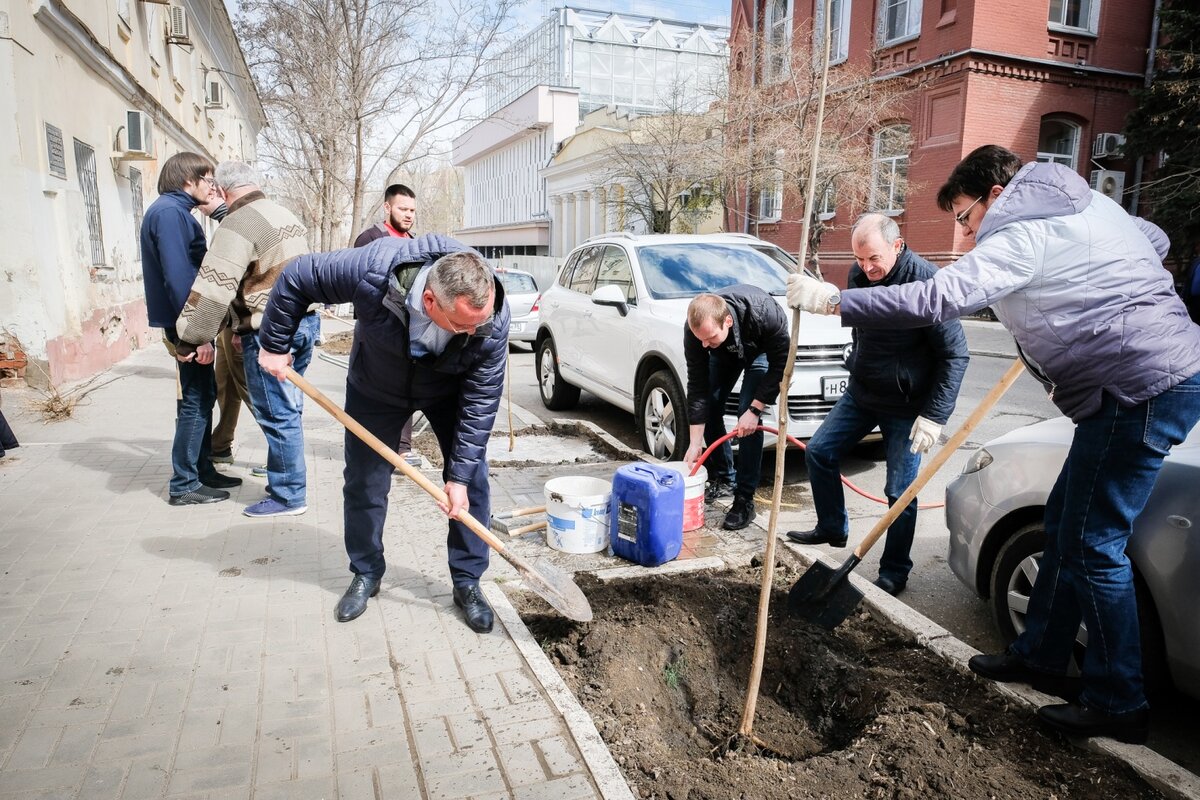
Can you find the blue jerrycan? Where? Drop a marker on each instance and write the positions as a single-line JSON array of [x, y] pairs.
[[646, 520]]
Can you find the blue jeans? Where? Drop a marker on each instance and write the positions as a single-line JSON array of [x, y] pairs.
[[846, 424], [1085, 575], [191, 452], [277, 408], [719, 465], [369, 479]]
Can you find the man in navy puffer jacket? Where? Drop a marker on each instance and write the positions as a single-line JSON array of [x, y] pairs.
[[432, 336]]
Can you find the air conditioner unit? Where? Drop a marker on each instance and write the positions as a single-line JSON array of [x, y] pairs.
[[1109, 182], [215, 96], [139, 132], [1108, 144], [177, 30]]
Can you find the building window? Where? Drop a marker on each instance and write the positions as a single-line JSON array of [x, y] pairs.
[[135, 197], [827, 202], [1079, 15], [85, 168], [899, 20], [839, 31], [1058, 142], [770, 196], [890, 168], [777, 32]]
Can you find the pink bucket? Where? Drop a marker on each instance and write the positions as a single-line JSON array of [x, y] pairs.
[[693, 494]]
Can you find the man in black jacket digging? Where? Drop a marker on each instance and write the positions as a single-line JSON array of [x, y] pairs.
[[737, 331], [905, 381], [432, 335]]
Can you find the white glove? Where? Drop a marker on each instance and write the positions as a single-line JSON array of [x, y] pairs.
[[809, 294], [925, 433]]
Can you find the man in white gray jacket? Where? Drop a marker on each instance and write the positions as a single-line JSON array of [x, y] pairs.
[[1080, 285]]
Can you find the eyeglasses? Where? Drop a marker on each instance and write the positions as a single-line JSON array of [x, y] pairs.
[[455, 329], [961, 217]]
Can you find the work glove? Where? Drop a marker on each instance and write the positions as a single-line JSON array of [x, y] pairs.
[[924, 435], [809, 294]]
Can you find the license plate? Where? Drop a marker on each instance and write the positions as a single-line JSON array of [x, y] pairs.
[[516, 327], [834, 387]]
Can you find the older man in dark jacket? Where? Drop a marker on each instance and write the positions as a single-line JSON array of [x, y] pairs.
[[432, 335], [903, 381], [738, 331]]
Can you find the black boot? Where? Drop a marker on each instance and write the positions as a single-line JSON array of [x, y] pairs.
[[476, 610], [817, 536], [741, 514], [1009, 668], [1075, 719], [354, 601]]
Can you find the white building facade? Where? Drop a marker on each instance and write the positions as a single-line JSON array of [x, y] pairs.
[[81, 168], [575, 62]]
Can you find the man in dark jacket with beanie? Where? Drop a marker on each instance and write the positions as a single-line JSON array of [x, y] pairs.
[[173, 247], [903, 381], [738, 331], [432, 335]]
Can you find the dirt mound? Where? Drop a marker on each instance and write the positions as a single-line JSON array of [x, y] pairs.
[[855, 713]]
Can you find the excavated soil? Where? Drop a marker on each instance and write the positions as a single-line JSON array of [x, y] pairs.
[[854, 713]]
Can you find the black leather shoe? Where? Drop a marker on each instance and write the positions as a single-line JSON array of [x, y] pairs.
[[816, 536], [1075, 719], [1009, 668], [219, 481], [890, 586], [716, 489], [476, 610], [198, 497], [741, 514], [354, 601]]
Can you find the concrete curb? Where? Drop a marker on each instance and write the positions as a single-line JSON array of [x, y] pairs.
[[608, 776]]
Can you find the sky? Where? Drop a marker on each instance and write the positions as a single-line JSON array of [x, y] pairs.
[[710, 12]]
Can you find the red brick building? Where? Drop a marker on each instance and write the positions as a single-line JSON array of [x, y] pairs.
[[1043, 78]]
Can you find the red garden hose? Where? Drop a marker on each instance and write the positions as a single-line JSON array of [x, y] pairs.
[[883, 500]]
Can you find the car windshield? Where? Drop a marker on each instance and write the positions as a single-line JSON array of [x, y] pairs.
[[685, 270], [517, 282]]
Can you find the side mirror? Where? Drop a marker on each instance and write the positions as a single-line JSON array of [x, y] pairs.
[[611, 295]]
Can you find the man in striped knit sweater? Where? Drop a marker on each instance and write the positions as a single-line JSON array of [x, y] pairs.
[[249, 250]]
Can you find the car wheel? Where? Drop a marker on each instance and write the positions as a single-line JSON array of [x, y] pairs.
[[662, 417], [1016, 569], [557, 394]]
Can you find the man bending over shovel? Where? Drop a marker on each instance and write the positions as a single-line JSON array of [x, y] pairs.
[[432, 335], [1080, 285]]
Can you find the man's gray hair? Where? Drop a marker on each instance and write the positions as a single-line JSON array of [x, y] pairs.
[[463, 274], [232, 175], [887, 227]]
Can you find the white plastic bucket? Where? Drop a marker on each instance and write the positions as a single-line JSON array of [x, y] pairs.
[[577, 514], [693, 494]]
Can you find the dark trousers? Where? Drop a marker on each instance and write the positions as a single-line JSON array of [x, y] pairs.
[[368, 478], [721, 378], [191, 453], [8, 439]]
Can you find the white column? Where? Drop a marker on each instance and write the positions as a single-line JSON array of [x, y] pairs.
[[598, 207], [556, 226], [582, 215], [569, 226]]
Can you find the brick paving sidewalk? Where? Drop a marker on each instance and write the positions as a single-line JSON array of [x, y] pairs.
[[152, 651]]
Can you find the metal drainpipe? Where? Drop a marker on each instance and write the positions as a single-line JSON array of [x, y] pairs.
[[753, 83], [1140, 162]]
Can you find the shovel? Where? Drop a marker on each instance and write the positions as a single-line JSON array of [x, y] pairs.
[[825, 596], [550, 583]]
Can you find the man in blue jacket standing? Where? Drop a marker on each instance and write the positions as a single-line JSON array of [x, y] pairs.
[[1080, 285], [173, 247], [432, 335], [904, 381]]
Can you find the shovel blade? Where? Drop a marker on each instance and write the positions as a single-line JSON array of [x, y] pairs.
[[824, 596], [557, 588]]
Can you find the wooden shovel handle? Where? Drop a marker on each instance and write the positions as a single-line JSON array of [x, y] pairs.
[[943, 455], [417, 477]]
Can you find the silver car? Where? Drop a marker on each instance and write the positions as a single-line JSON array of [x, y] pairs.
[[994, 511], [521, 289]]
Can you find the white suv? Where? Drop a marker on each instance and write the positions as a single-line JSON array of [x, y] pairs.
[[613, 324]]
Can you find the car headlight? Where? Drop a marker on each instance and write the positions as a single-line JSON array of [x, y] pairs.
[[977, 462]]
